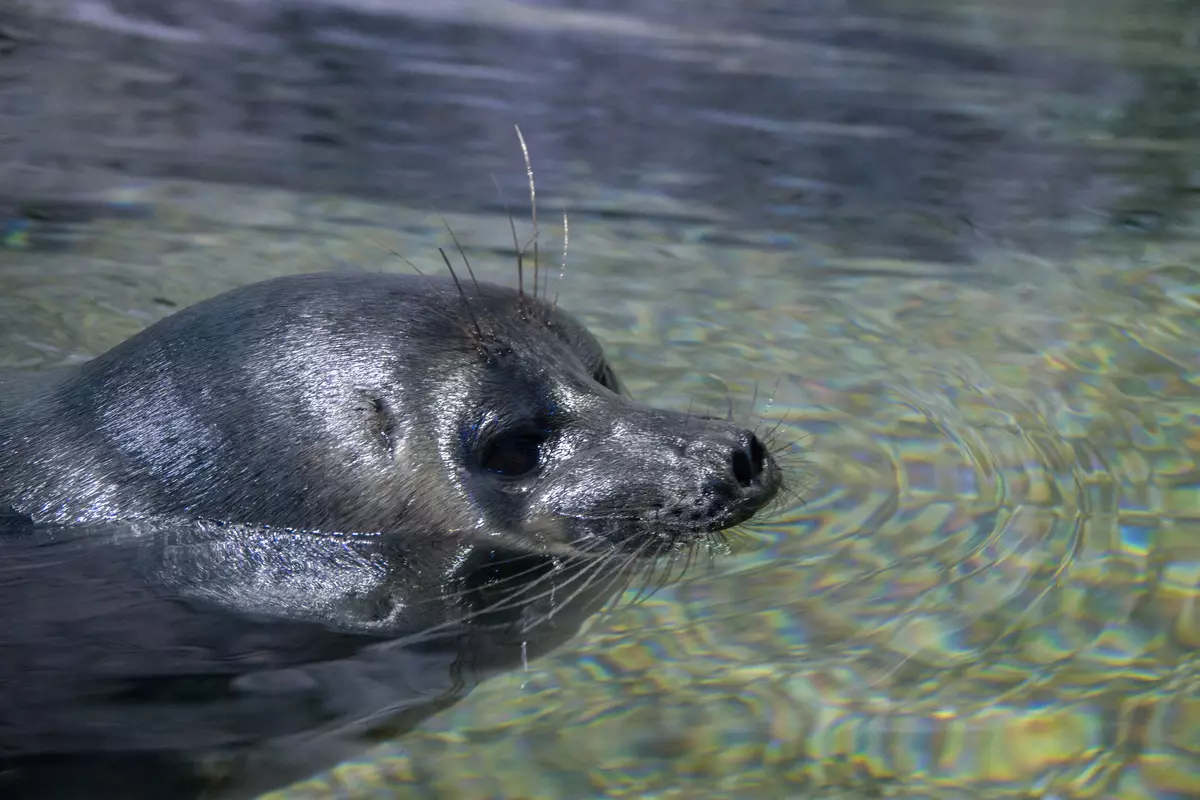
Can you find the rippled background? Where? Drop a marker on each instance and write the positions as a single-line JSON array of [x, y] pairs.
[[959, 239]]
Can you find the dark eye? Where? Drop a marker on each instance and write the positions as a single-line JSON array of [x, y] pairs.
[[514, 455]]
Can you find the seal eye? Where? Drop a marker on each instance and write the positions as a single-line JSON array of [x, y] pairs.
[[514, 455]]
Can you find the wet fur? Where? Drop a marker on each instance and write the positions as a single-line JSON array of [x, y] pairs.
[[264, 527]]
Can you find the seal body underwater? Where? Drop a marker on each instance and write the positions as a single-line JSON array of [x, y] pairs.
[[316, 507]]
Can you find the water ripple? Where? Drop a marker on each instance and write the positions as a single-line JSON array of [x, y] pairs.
[[991, 588]]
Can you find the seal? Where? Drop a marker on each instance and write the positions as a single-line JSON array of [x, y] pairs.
[[313, 510]]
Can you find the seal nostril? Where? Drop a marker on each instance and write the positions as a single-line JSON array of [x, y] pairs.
[[748, 461], [758, 455], [742, 471]]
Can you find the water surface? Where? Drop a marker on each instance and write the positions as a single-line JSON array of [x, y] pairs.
[[954, 243]]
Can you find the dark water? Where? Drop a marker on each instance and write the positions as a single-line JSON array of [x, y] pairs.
[[959, 238], [887, 128]]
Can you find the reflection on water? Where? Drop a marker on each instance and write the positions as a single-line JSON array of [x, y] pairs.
[[961, 238]]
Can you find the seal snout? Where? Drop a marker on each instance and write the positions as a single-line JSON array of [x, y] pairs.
[[751, 482], [735, 478]]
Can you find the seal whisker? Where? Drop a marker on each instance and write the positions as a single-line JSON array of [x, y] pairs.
[[661, 577], [600, 562], [521, 597], [649, 582], [787, 447], [627, 570], [784, 421], [582, 560], [398, 255], [649, 585], [584, 577], [770, 400], [770, 437], [722, 543], [532, 206], [624, 574], [524, 593], [789, 454], [520, 251], [773, 434], [469, 326], [524, 596], [563, 271], [687, 557], [462, 293], [512, 578], [690, 554], [461, 251], [625, 564], [789, 495], [429, 280], [525, 589]]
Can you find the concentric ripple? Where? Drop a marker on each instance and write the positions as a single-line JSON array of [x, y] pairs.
[[991, 589]]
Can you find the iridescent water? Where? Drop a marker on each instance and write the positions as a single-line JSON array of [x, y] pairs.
[[960, 237]]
